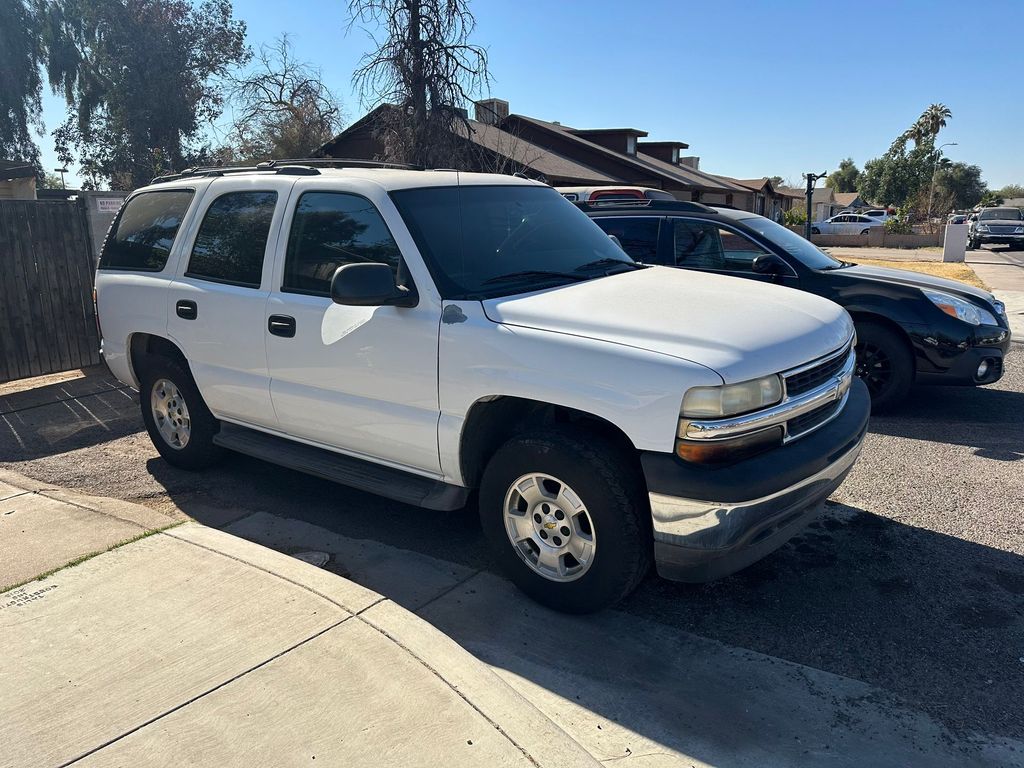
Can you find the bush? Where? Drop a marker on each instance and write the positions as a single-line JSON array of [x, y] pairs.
[[900, 223], [794, 217]]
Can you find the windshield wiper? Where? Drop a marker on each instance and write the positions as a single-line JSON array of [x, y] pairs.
[[534, 273], [608, 261]]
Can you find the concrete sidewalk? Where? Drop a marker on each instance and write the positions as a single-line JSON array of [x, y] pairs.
[[189, 646]]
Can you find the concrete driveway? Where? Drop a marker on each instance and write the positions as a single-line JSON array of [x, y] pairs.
[[890, 633]]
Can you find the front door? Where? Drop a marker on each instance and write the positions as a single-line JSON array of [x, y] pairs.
[[218, 299], [361, 380], [710, 247]]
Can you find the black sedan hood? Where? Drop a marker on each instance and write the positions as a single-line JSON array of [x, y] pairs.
[[917, 280]]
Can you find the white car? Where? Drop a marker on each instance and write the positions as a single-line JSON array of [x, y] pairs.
[[424, 334], [846, 224]]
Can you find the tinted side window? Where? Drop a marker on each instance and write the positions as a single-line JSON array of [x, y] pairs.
[[145, 230], [232, 239], [638, 237], [703, 245], [329, 230]]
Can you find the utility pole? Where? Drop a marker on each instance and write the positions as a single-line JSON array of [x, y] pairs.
[[812, 179], [62, 171]]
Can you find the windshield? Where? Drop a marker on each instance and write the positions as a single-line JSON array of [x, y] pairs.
[[1001, 213], [809, 254], [507, 240]]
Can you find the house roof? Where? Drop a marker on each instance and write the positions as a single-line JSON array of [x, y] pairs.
[[677, 174], [790, 191], [846, 198], [16, 169], [541, 160]]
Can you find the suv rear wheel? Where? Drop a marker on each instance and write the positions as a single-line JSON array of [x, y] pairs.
[[568, 518], [178, 421]]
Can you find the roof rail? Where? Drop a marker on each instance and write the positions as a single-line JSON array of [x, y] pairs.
[[339, 162], [305, 166], [651, 205]]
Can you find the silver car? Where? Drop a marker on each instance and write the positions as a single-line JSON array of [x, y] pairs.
[[846, 224]]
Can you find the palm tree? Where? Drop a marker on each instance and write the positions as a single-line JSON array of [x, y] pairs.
[[931, 121]]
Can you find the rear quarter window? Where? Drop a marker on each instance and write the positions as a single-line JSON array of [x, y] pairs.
[[141, 237]]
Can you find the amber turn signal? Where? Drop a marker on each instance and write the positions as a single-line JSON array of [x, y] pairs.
[[728, 451]]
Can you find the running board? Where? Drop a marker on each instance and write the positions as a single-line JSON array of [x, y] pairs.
[[356, 473]]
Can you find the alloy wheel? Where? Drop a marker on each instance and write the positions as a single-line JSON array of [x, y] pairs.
[[550, 528], [875, 367], [170, 413]]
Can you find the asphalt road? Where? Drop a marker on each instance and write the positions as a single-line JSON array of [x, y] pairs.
[[912, 580]]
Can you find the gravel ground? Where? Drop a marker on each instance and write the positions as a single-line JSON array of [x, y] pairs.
[[912, 580]]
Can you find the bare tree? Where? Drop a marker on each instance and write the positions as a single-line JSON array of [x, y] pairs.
[[425, 65], [281, 107]]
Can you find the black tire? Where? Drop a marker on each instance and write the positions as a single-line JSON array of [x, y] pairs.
[[607, 481], [199, 452], [815, 231], [885, 363], [973, 245], [865, 231]]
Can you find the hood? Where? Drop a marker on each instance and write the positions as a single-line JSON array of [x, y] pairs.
[[742, 329], [917, 280]]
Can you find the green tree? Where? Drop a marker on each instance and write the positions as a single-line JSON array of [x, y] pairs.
[[931, 121], [51, 181], [845, 179], [991, 198], [21, 55], [962, 182], [898, 176], [142, 79], [1011, 190], [425, 65], [777, 181]]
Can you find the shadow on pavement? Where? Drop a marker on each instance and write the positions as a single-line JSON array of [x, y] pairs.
[[932, 618], [989, 420], [61, 417]]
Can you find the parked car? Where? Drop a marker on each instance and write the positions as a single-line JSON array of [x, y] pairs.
[[910, 327], [593, 194], [846, 224], [956, 218], [997, 226], [421, 335]]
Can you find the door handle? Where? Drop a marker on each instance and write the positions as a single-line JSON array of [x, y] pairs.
[[187, 310], [281, 325]]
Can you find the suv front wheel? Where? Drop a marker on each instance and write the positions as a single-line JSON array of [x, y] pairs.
[[568, 518], [178, 421]]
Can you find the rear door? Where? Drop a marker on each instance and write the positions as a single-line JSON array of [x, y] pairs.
[[217, 303]]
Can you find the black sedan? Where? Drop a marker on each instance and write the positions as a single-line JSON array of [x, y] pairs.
[[910, 327]]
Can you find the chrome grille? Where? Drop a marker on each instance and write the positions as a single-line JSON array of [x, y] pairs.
[[808, 421], [806, 379], [1002, 229]]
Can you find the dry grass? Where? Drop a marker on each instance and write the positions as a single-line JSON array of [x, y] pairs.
[[961, 272]]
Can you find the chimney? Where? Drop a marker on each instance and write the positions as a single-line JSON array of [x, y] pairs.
[[666, 151], [690, 162], [491, 111]]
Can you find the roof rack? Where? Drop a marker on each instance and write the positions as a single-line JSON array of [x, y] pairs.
[[653, 205], [304, 166]]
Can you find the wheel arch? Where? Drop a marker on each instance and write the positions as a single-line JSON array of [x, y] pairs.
[[861, 316], [493, 420], [141, 345]]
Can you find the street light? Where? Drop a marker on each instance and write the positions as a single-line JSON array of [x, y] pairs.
[[812, 179], [61, 171], [935, 168]]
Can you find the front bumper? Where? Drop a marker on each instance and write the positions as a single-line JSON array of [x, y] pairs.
[[710, 522], [998, 239]]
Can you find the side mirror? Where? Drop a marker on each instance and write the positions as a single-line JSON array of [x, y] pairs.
[[769, 264], [369, 285]]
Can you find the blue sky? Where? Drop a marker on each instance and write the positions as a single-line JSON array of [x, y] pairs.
[[757, 88]]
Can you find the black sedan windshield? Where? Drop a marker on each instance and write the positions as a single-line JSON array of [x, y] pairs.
[[481, 241], [810, 255]]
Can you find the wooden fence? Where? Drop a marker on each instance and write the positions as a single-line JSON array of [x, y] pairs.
[[47, 320]]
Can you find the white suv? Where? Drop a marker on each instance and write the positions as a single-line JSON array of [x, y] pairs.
[[420, 334]]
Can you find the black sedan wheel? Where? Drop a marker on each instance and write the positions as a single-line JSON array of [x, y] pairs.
[[885, 364]]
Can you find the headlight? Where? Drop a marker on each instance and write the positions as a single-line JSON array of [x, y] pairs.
[[732, 399], [983, 227], [963, 310]]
